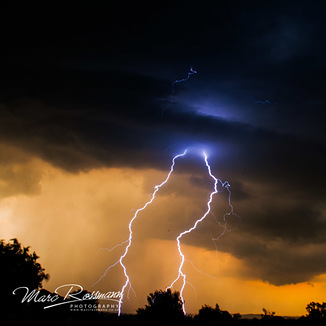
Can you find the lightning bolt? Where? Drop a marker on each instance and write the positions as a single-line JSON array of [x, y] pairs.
[[190, 73], [157, 187], [116, 246], [225, 185], [181, 274]]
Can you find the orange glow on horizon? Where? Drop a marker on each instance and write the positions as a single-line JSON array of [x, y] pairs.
[[72, 216]]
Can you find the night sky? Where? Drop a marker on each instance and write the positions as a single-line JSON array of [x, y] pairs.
[[88, 126]]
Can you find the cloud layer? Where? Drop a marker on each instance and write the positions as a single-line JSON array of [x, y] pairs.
[[99, 97]]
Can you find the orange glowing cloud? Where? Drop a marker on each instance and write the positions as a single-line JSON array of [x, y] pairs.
[[70, 217]]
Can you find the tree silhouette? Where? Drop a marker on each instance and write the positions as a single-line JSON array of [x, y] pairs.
[[316, 311], [162, 306], [19, 267], [267, 314], [208, 314], [236, 316]]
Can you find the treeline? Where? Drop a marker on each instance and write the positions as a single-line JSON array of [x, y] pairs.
[[20, 267], [162, 308], [165, 308]]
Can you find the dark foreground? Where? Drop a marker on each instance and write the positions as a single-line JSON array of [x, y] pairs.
[[95, 318]]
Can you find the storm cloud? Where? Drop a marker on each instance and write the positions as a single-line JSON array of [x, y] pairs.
[[90, 91]]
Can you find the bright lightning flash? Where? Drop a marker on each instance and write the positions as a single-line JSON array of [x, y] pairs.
[[181, 274], [127, 283]]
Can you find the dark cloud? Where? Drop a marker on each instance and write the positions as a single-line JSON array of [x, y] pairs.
[[282, 262], [90, 87]]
